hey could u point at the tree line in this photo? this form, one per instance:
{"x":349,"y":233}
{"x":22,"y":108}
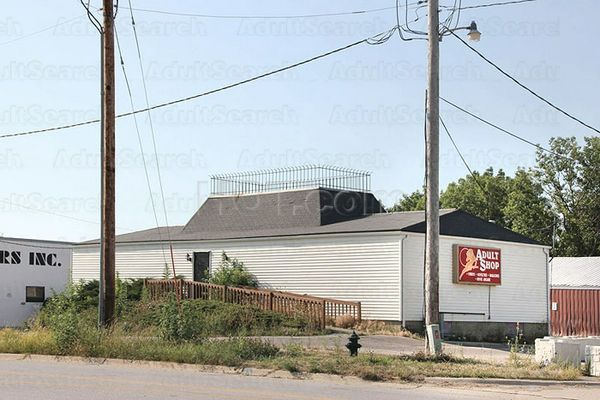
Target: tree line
{"x":556,"y":202}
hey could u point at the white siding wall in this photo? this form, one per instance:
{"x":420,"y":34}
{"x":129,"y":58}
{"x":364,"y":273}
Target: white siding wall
{"x":364,"y":268}
{"x":359,"y":267}
{"x":522,"y":296}
{"x":132,"y":261}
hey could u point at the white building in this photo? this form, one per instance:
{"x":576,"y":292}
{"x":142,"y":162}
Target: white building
{"x":31,"y":270}
{"x":335,"y":240}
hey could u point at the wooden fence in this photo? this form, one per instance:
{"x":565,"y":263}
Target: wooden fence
{"x":318,"y":310}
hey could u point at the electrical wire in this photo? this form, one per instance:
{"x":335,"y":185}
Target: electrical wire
{"x":141,"y":146}
{"x":151,"y":124}
{"x":39,"y":210}
{"x":10,"y":203}
{"x":2,"y":240}
{"x":493,"y":4}
{"x":42,"y":30}
{"x":483,"y":190}
{"x":537,"y":146}
{"x":92,"y":17}
{"x":357,"y":12}
{"x":368,"y":40}
{"x":506,"y":74}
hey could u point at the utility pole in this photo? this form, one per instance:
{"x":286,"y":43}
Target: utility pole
{"x":432,"y":207}
{"x":107,"y":248}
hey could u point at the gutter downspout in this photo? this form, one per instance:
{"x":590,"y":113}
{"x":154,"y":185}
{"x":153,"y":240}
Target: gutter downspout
{"x":401,"y":278}
{"x":548,"y":292}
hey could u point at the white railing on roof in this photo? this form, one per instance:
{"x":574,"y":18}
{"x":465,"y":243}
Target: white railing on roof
{"x":289,"y":178}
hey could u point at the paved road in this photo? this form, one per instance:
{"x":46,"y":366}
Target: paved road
{"x":50,"y":379}
{"x":393,"y":345}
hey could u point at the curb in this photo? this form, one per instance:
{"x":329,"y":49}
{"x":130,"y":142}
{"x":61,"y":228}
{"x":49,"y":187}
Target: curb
{"x":282,"y":374}
{"x":585,"y":381}
{"x":214,"y":369}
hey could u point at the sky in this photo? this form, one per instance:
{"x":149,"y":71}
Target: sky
{"x":360,"y":108}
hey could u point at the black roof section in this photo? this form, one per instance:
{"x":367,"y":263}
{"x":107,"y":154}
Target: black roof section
{"x":463,"y":224}
{"x":312,"y":212}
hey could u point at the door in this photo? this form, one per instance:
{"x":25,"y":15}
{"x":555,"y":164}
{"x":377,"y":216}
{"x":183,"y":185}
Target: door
{"x":201,"y":266}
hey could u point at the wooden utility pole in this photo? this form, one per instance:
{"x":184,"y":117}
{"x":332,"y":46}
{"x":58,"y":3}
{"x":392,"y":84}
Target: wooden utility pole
{"x":107,"y":247}
{"x":432,"y":207}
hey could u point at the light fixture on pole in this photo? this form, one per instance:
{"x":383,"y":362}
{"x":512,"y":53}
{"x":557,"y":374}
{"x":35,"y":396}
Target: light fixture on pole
{"x":473,"y":35}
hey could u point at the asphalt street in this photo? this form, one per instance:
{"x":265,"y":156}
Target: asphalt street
{"x":53,"y":379}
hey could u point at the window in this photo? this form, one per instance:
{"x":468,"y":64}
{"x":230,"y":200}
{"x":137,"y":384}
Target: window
{"x":35,"y":294}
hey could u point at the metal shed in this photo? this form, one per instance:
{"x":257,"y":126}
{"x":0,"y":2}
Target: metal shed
{"x":575,"y":296}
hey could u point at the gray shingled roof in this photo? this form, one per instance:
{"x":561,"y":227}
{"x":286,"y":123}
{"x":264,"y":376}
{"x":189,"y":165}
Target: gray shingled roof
{"x":452,"y":223}
{"x":580,"y":272}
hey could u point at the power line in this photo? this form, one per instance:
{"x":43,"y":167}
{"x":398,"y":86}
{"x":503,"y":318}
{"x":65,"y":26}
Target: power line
{"x":335,"y":14}
{"x":368,"y":40}
{"x":485,"y":192}
{"x":141,"y":146}
{"x":2,"y":240}
{"x":523,"y":86}
{"x":42,"y":30}
{"x":160,"y":182}
{"x":506,"y":3}
{"x":537,"y":146}
{"x":95,"y":22}
{"x":39,"y":210}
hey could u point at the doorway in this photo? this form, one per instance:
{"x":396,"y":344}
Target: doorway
{"x":201,"y":266}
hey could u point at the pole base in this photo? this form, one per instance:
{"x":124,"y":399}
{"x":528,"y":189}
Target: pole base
{"x":434,"y":339}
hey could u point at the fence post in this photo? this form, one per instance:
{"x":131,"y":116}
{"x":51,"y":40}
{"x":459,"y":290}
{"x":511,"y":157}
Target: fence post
{"x":270,"y":301}
{"x":323,"y":304}
{"x":225,"y":294}
{"x":359,"y":312}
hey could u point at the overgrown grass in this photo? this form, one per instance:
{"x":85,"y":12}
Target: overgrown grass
{"x":70,"y":314}
{"x":228,"y":352}
{"x":184,"y":333}
{"x":238,"y":352}
{"x":203,"y":318}
{"x":376,"y":367}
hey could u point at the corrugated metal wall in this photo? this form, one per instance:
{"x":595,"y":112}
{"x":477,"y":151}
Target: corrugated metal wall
{"x":575,"y":312}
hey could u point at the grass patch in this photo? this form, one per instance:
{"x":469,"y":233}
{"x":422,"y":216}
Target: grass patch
{"x":371,"y":327}
{"x":376,"y":367}
{"x":185,"y":333}
{"x":238,"y":352}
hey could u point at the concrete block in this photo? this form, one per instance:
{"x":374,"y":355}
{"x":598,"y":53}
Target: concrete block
{"x":581,"y":341}
{"x":592,"y":359}
{"x":557,"y":351}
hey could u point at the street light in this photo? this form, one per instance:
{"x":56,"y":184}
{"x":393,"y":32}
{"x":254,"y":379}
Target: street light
{"x":473,"y":35}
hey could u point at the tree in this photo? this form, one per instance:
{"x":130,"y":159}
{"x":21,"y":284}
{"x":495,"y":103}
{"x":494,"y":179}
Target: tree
{"x":484,"y":195}
{"x":570,"y":176}
{"x":517,"y":203}
{"x":410,"y":202}
{"x":527,"y":211}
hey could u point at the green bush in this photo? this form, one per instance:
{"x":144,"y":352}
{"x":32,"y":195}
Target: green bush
{"x":62,"y":314}
{"x":176,"y":321}
{"x":232,"y":272}
{"x":197,"y":319}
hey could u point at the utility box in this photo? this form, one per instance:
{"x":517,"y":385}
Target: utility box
{"x":435,"y":339}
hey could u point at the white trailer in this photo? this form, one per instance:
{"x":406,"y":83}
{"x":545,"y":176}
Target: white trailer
{"x":31,"y":270}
